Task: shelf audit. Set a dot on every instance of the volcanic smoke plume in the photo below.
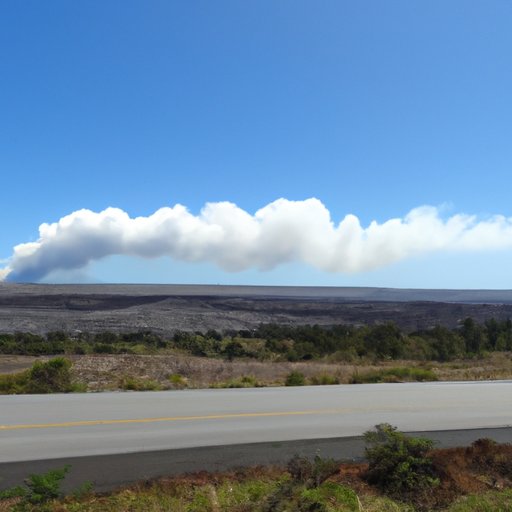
(222, 233)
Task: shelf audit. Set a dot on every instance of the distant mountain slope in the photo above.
(344, 293)
(168, 308)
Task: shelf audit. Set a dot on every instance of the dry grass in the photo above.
(104, 371)
(495, 366)
(177, 371)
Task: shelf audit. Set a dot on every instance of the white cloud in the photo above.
(4, 272)
(281, 232)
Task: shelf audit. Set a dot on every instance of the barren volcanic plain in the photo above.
(164, 309)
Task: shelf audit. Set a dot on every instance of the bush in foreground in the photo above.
(398, 464)
(39, 491)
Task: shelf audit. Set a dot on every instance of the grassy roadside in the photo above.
(471, 479)
(178, 371)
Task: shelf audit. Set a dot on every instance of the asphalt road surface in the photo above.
(36, 429)
(54, 426)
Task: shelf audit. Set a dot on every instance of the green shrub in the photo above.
(247, 381)
(84, 490)
(295, 379)
(311, 473)
(398, 464)
(104, 348)
(13, 383)
(344, 356)
(45, 487)
(383, 504)
(139, 349)
(399, 374)
(495, 501)
(13, 492)
(330, 497)
(324, 380)
(133, 384)
(53, 376)
(79, 387)
(234, 349)
(243, 496)
(177, 381)
(305, 490)
(38, 490)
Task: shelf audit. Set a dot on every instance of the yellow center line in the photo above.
(170, 419)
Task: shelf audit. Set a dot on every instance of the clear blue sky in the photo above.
(372, 107)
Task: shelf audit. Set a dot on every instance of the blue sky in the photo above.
(374, 108)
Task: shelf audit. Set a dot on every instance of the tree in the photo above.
(446, 344)
(234, 349)
(474, 336)
(385, 341)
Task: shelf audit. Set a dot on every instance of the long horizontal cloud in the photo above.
(235, 240)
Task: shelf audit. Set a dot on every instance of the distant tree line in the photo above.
(282, 342)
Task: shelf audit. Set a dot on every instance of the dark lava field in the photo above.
(167, 308)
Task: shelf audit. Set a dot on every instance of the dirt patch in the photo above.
(14, 364)
(483, 466)
(494, 366)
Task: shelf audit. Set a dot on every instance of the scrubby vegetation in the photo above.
(129, 383)
(403, 474)
(295, 378)
(398, 464)
(292, 343)
(400, 374)
(279, 342)
(53, 376)
(324, 379)
(38, 492)
(270, 355)
(247, 381)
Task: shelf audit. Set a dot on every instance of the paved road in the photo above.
(56, 426)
